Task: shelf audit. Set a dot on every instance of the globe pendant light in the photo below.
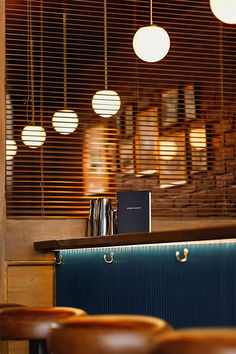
(65, 121)
(106, 103)
(11, 149)
(224, 10)
(168, 150)
(32, 135)
(198, 138)
(151, 43)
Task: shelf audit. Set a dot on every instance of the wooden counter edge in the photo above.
(166, 236)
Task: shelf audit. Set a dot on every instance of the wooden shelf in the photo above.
(222, 232)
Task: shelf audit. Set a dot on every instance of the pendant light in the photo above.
(151, 43)
(11, 147)
(168, 150)
(224, 10)
(65, 121)
(32, 135)
(106, 103)
(198, 138)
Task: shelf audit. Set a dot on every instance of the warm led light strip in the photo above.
(219, 241)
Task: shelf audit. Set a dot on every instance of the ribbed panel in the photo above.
(148, 280)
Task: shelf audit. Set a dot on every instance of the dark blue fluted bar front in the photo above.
(150, 280)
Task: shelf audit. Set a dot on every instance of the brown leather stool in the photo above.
(198, 341)
(9, 304)
(33, 323)
(106, 334)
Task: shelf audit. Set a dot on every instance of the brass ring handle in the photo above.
(182, 260)
(111, 260)
(59, 260)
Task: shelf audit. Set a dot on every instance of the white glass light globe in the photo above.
(65, 121)
(106, 103)
(33, 136)
(11, 149)
(151, 43)
(168, 150)
(198, 138)
(224, 10)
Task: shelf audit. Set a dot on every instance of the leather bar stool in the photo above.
(33, 324)
(198, 341)
(9, 304)
(106, 334)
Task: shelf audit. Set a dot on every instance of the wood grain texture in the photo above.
(18, 347)
(31, 285)
(21, 235)
(226, 231)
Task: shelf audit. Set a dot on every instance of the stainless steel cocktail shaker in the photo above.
(104, 216)
(100, 217)
(93, 219)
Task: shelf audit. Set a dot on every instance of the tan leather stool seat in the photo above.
(9, 304)
(198, 341)
(106, 334)
(32, 322)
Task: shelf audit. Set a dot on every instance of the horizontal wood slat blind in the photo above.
(174, 133)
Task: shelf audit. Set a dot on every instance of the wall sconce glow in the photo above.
(151, 43)
(11, 149)
(106, 103)
(33, 136)
(224, 10)
(65, 121)
(198, 139)
(168, 150)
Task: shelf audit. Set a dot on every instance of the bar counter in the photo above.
(186, 275)
(207, 233)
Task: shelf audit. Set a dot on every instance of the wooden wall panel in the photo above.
(2, 145)
(3, 347)
(18, 347)
(30, 285)
(21, 234)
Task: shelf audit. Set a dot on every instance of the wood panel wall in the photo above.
(2, 145)
(3, 347)
(21, 234)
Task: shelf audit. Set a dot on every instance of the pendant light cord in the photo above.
(105, 42)
(28, 62)
(31, 61)
(64, 58)
(221, 48)
(151, 22)
(28, 77)
(41, 111)
(221, 71)
(41, 63)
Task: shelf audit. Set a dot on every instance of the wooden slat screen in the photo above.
(174, 133)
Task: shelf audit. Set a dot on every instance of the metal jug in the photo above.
(104, 216)
(92, 229)
(100, 217)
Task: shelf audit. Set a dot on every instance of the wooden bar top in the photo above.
(221, 232)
